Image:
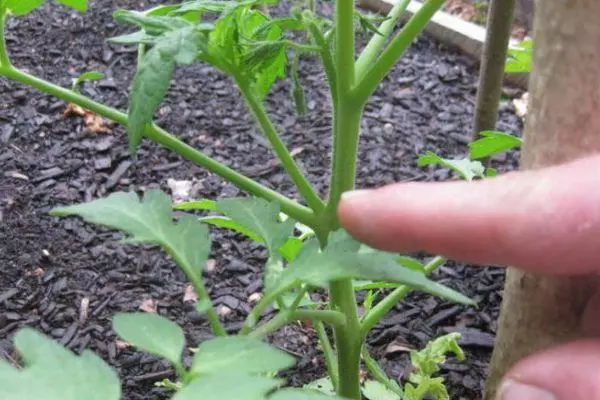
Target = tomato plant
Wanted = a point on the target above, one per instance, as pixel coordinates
(307, 249)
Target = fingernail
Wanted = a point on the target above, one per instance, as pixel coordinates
(355, 194)
(515, 390)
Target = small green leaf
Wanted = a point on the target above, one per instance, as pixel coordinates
(228, 223)
(291, 248)
(239, 354)
(224, 386)
(23, 7)
(78, 5)
(52, 372)
(201, 205)
(152, 333)
(259, 216)
(374, 390)
(87, 76)
(490, 172)
(153, 78)
(492, 143)
(341, 259)
(149, 221)
(520, 58)
(466, 168)
(301, 394)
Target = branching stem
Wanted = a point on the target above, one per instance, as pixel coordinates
(371, 51)
(260, 115)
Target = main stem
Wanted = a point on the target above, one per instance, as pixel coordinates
(346, 126)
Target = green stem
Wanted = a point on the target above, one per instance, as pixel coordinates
(333, 318)
(260, 115)
(346, 121)
(388, 302)
(200, 289)
(140, 55)
(282, 318)
(379, 374)
(160, 136)
(326, 57)
(4, 59)
(396, 48)
(371, 51)
(262, 305)
(344, 45)
(330, 357)
(348, 339)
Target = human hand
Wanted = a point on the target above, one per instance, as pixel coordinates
(545, 221)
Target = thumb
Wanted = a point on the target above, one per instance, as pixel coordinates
(569, 372)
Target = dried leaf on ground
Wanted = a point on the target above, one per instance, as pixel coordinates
(93, 122)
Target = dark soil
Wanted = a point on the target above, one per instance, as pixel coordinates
(51, 268)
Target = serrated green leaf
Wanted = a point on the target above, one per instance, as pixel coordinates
(239, 354)
(492, 143)
(427, 360)
(52, 372)
(223, 386)
(341, 259)
(259, 216)
(374, 390)
(201, 205)
(153, 78)
(248, 41)
(301, 394)
(466, 168)
(149, 221)
(78, 5)
(228, 223)
(428, 388)
(87, 76)
(22, 7)
(152, 333)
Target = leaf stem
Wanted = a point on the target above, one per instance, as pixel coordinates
(262, 305)
(384, 306)
(200, 289)
(162, 137)
(330, 356)
(396, 48)
(333, 318)
(326, 57)
(282, 318)
(371, 51)
(4, 59)
(262, 118)
(379, 374)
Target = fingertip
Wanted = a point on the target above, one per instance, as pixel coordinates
(568, 372)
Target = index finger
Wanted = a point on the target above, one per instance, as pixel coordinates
(542, 221)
